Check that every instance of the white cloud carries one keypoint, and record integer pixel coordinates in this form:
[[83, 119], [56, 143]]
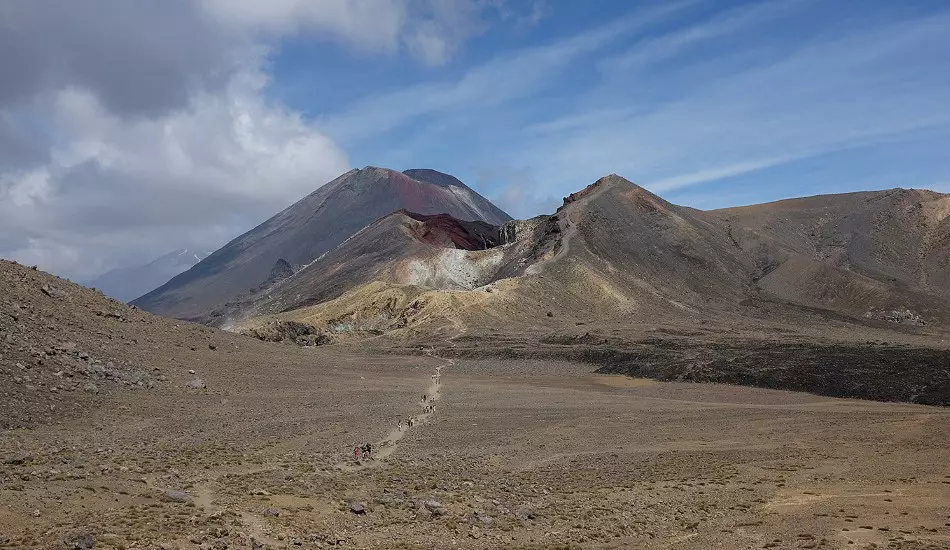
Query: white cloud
[[429, 29], [492, 84], [660, 48], [713, 174], [25, 189], [189, 177], [371, 25]]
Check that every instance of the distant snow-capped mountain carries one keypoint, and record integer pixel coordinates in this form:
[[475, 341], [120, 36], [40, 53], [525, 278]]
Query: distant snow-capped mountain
[[128, 283]]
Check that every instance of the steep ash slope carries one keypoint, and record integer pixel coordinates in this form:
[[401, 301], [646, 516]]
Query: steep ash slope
[[480, 207], [649, 250], [311, 227], [862, 254]]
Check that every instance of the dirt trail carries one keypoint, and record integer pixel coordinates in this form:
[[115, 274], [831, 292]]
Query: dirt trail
[[568, 229], [387, 446]]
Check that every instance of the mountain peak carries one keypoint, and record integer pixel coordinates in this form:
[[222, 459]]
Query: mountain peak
[[609, 181], [434, 177]]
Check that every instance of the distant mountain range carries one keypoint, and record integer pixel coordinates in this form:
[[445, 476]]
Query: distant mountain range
[[373, 242], [617, 252], [128, 283]]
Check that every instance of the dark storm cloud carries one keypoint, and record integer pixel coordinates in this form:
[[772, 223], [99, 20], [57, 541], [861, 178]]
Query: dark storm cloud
[[19, 147], [100, 201], [138, 57]]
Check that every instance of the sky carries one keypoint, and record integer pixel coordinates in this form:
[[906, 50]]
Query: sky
[[132, 128]]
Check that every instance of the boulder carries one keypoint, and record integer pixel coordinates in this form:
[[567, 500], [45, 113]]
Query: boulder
[[80, 541], [435, 507], [176, 496]]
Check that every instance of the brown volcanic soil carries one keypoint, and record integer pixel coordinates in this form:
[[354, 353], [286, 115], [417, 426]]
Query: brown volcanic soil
[[520, 454]]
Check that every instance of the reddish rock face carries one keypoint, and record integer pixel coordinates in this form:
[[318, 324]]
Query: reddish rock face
[[445, 231]]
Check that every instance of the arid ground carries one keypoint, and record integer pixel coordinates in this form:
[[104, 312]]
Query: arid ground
[[516, 454]]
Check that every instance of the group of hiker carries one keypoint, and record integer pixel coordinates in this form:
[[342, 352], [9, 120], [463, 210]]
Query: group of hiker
[[428, 404], [365, 451]]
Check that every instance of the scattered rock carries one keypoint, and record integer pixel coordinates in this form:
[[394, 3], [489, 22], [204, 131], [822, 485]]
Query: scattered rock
[[80, 541], [435, 507], [904, 317], [197, 384], [52, 291], [18, 460], [271, 512], [358, 508], [176, 496], [301, 334], [90, 388]]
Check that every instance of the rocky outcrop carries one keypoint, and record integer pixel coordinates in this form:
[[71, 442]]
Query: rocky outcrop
[[281, 270], [293, 332]]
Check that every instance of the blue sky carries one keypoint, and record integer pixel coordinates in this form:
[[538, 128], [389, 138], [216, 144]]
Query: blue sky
[[140, 128], [708, 103]]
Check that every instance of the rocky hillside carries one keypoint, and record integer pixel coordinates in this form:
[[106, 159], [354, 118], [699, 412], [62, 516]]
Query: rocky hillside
[[312, 227], [881, 255], [64, 347]]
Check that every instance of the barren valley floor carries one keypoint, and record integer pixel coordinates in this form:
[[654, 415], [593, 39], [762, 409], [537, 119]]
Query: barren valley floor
[[516, 454]]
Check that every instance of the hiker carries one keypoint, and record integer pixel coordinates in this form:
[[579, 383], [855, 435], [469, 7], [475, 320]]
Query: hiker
[[424, 398], [356, 453], [369, 451]]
